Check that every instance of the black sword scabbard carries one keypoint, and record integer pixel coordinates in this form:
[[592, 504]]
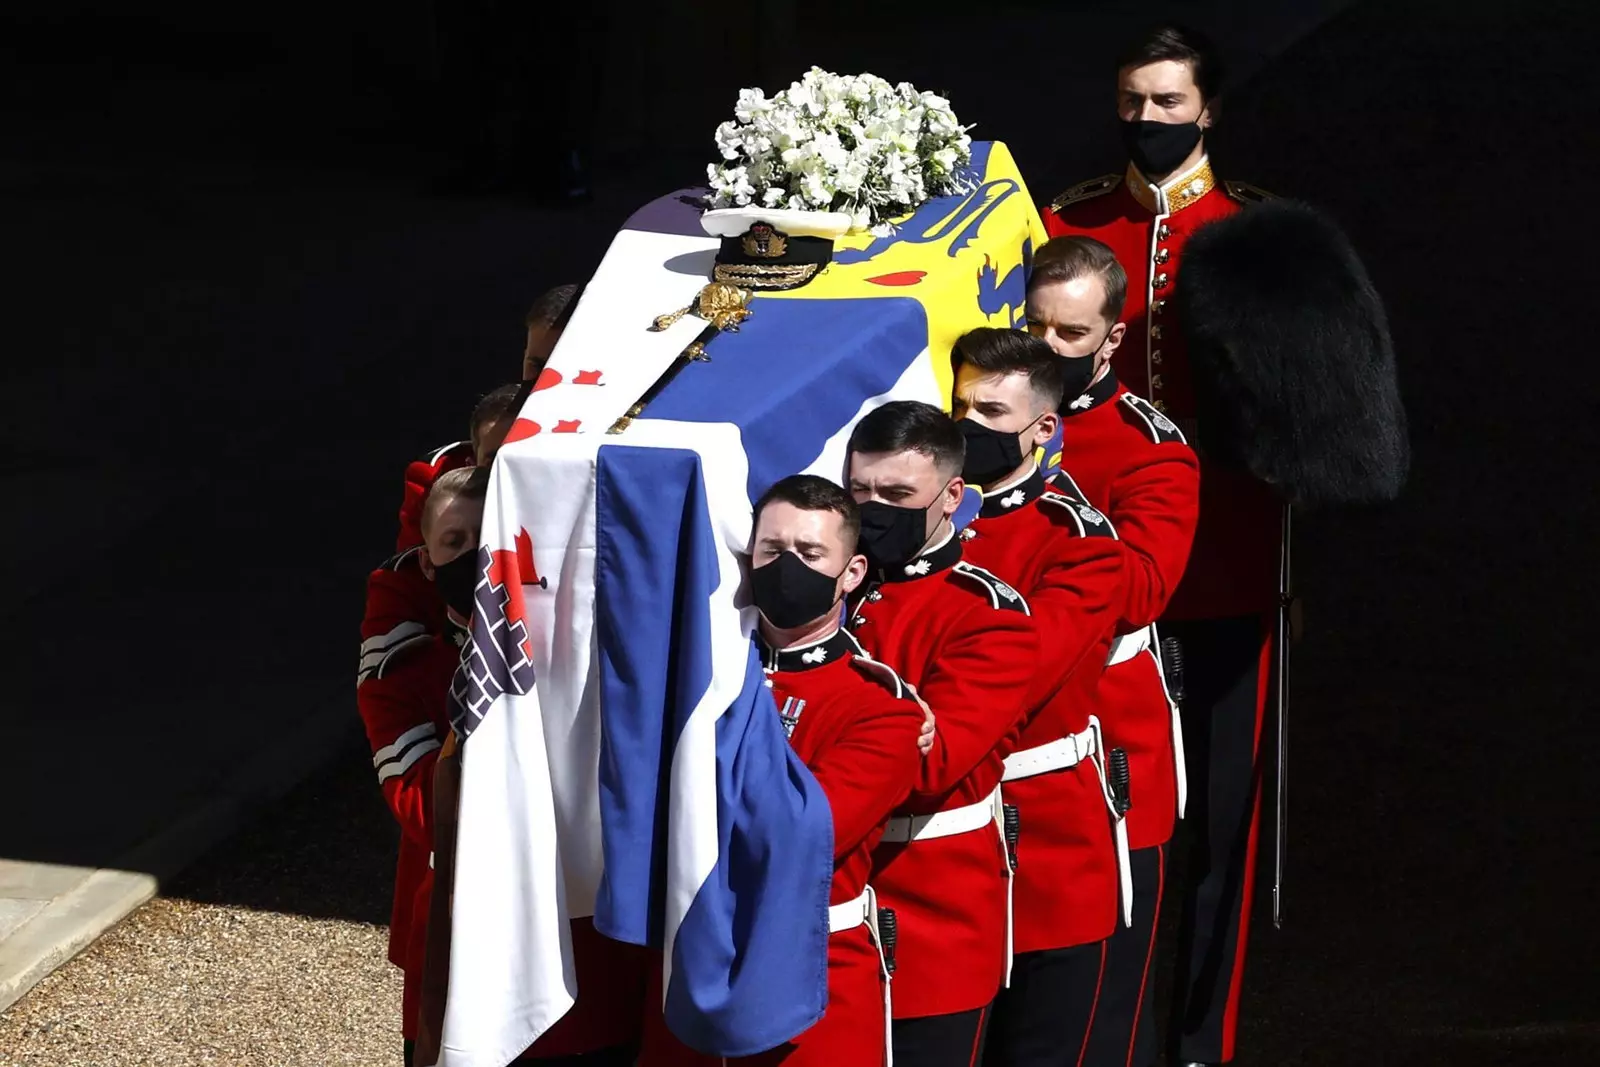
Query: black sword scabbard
[[694, 353]]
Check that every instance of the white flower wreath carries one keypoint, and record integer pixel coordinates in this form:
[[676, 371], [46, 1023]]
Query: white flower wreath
[[848, 143]]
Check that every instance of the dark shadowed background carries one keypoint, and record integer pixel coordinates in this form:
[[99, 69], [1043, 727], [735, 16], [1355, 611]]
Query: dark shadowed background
[[235, 311]]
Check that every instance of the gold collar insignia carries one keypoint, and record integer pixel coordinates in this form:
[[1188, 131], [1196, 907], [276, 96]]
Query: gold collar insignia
[[1177, 192]]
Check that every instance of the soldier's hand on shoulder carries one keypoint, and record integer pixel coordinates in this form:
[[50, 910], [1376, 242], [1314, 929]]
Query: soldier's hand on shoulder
[[925, 738]]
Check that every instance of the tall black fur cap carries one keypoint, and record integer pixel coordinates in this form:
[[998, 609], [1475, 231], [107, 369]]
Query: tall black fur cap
[[1294, 370]]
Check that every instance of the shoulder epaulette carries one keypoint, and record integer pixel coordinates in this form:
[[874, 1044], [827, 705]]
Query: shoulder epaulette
[[1000, 595], [1161, 429], [1086, 191], [400, 559], [881, 673], [1084, 517], [1246, 193]]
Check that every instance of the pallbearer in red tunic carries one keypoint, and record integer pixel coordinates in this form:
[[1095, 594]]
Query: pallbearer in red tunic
[[405, 714], [403, 607], [963, 638], [1062, 556], [1255, 328], [1122, 457], [857, 728]]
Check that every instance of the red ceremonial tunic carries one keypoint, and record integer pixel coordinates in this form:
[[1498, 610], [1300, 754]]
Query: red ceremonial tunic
[[404, 710], [1146, 480], [963, 639], [858, 736], [1069, 565], [1233, 568]]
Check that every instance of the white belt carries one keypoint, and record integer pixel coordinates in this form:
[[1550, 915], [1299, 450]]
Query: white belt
[[1128, 646], [848, 916], [1119, 823], [1057, 755], [962, 820], [852, 913]]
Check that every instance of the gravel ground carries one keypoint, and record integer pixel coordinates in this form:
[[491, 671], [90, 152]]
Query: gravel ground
[[271, 954]]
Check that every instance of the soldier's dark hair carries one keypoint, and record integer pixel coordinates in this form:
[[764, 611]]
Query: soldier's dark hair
[[912, 426], [1183, 45], [1004, 352], [1065, 259], [471, 483], [555, 306], [808, 492], [498, 403]]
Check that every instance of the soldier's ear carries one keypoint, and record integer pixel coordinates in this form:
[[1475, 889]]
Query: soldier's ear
[[952, 495], [1047, 426], [855, 572], [1114, 339], [425, 561]]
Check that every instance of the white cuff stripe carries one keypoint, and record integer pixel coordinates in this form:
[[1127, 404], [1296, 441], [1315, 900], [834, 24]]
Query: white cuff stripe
[[416, 752], [373, 664], [403, 632], [389, 752]]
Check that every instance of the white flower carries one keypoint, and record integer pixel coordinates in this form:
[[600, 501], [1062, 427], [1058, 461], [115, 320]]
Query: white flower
[[752, 102], [850, 143], [732, 183]]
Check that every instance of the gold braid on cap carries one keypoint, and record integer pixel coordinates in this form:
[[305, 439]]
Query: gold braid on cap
[[766, 275]]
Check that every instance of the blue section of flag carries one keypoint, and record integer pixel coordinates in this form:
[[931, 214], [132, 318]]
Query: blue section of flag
[[795, 373], [750, 958]]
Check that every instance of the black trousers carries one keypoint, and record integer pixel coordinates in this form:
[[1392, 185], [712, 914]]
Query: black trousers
[[954, 1040], [1043, 1019], [1124, 1030], [1226, 673]]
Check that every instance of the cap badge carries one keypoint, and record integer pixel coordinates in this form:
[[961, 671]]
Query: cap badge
[[762, 241]]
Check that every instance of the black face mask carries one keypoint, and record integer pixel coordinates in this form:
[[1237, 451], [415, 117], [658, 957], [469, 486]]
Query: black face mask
[[457, 580], [1080, 370], [991, 454], [891, 534], [791, 594], [1157, 148]]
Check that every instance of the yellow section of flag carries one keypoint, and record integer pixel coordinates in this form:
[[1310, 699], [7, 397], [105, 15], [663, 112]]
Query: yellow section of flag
[[964, 258]]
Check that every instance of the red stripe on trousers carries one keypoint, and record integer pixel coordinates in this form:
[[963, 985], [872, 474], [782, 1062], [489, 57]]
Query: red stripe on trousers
[[1094, 1005], [1230, 1015], [1149, 953], [977, 1037]]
